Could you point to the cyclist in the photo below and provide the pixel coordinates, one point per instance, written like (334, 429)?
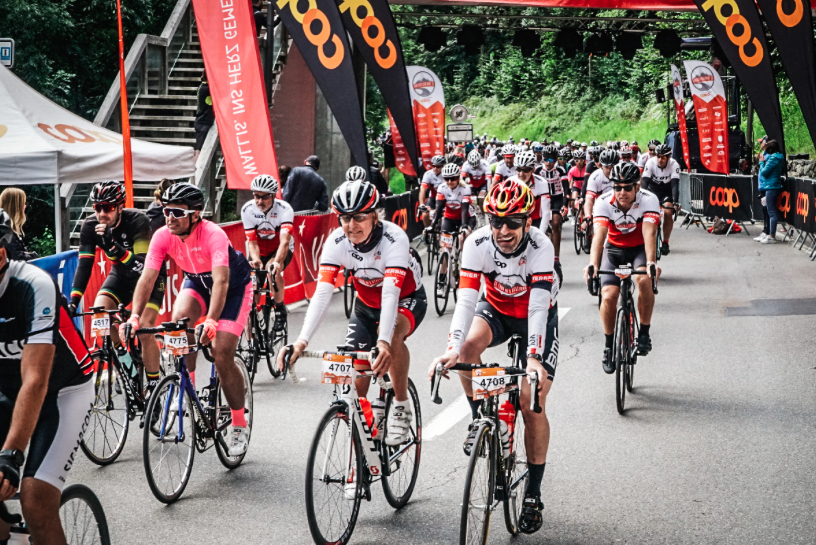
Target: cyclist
(629, 215)
(391, 300)
(453, 203)
(430, 181)
(661, 176)
(123, 234)
(651, 153)
(507, 168)
(598, 183)
(268, 225)
(635, 151)
(516, 260)
(553, 175)
(46, 392)
(593, 162)
(626, 155)
(541, 214)
(476, 173)
(216, 285)
(538, 150)
(576, 175)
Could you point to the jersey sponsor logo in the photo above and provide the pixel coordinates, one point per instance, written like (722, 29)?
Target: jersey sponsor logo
(369, 282)
(480, 240)
(339, 239)
(356, 256)
(72, 457)
(513, 290)
(11, 350)
(548, 277)
(500, 264)
(388, 236)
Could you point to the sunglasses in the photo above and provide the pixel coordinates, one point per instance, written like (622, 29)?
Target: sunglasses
(551, 160)
(512, 222)
(358, 218)
(525, 169)
(627, 188)
(262, 196)
(176, 213)
(107, 208)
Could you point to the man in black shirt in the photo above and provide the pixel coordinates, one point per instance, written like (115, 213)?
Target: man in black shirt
(205, 117)
(306, 190)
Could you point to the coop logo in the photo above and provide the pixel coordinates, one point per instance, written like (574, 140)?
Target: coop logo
(724, 196)
(400, 217)
(320, 39)
(702, 78)
(734, 19)
(368, 23)
(802, 204)
(783, 202)
(790, 20)
(423, 84)
(74, 135)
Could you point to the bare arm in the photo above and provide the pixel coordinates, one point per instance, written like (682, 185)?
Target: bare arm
(143, 288)
(598, 240)
(588, 204)
(650, 238)
(220, 286)
(283, 248)
(36, 369)
(254, 252)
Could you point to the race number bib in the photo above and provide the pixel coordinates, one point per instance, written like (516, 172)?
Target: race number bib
(489, 382)
(100, 325)
(446, 240)
(337, 369)
(623, 272)
(175, 343)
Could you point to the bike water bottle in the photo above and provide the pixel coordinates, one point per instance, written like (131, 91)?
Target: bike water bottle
(369, 416)
(378, 408)
(507, 421)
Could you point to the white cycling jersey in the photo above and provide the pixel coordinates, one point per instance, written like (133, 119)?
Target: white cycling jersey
(503, 171)
(454, 199)
(521, 285)
(641, 162)
(476, 177)
(382, 276)
(265, 227)
(431, 181)
(554, 177)
(661, 175)
(598, 184)
(625, 227)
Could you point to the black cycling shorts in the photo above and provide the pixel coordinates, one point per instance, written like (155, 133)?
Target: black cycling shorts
(450, 225)
(662, 191)
(614, 257)
(556, 203)
(121, 288)
(362, 329)
(288, 259)
(503, 327)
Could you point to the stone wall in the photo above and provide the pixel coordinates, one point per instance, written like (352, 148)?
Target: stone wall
(802, 168)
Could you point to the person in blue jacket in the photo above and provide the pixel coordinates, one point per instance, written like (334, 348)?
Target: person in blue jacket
(771, 169)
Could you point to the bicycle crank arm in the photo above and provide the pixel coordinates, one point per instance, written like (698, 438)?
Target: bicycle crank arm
(515, 484)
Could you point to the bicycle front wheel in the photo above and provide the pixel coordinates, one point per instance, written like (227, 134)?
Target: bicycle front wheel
(587, 238)
(83, 519)
(348, 294)
(620, 353)
(516, 474)
(442, 284)
(223, 414)
(577, 238)
(334, 479)
(279, 339)
(110, 419)
(480, 485)
(249, 347)
(169, 440)
(404, 459)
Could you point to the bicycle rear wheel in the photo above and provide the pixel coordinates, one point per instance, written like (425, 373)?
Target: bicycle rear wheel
(516, 475)
(332, 502)
(587, 239)
(82, 516)
(169, 440)
(404, 459)
(659, 240)
(442, 284)
(105, 438)
(480, 485)
(223, 414)
(578, 236)
(620, 350)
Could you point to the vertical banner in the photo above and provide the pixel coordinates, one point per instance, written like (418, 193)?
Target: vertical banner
(738, 30)
(402, 159)
(227, 33)
(791, 26)
(712, 115)
(680, 106)
(428, 102)
(320, 37)
(373, 31)
(123, 106)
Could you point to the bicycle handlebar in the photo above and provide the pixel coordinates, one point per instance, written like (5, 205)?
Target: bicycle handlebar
(8, 517)
(535, 405)
(594, 279)
(318, 354)
(179, 325)
(264, 272)
(97, 310)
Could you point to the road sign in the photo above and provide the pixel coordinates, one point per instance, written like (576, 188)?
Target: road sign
(7, 52)
(459, 113)
(460, 132)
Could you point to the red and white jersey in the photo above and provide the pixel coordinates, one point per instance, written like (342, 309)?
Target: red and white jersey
(431, 182)
(554, 178)
(503, 171)
(265, 227)
(598, 184)
(661, 175)
(476, 177)
(625, 227)
(454, 199)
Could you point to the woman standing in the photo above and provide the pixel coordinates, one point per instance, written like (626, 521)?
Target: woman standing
(771, 167)
(13, 201)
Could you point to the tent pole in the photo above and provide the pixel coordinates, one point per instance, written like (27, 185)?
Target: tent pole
(57, 219)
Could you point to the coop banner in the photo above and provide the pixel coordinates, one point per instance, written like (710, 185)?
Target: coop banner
(228, 43)
(710, 107)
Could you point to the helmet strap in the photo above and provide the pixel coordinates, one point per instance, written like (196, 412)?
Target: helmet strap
(190, 228)
(373, 239)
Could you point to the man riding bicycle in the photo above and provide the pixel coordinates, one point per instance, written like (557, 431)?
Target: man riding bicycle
(216, 285)
(598, 183)
(661, 176)
(46, 392)
(453, 203)
(507, 168)
(576, 175)
(124, 235)
(391, 301)
(430, 181)
(476, 173)
(268, 225)
(629, 215)
(553, 174)
(516, 260)
(651, 153)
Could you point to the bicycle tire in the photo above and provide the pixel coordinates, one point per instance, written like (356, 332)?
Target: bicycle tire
(483, 453)
(441, 302)
(150, 438)
(396, 499)
(247, 345)
(659, 241)
(621, 347)
(341, 535)
(348, 294)
(88, 443)
(222, 411)
(587, 239)
(79, 502)
(418, 258)
(630, 373)
(577, 238)
(515, 470)
(279, 340)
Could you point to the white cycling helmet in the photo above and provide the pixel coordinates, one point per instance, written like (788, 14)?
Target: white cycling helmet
(474, 158)
(525, 159)
(451, 170)
(509, 149)
(355, 173)
(264, 183)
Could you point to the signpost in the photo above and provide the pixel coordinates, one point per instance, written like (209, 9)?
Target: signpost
(7, 52)
(461, 132)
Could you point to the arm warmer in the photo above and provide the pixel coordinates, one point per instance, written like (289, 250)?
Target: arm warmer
(463, 318)
(316, 311)
(440, 208)
(538, 311)
(389, 304)
(675, 187)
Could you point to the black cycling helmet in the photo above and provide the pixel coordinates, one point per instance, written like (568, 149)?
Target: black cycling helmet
(355, 197)
(654, 143)
(625, 173)
(663, 150)
(565, 153)
(550, 152)
(578, 154)
(6, 231)
(110, 192)
(184, 193)
(593, 143)
(438, 161)
(609, 158)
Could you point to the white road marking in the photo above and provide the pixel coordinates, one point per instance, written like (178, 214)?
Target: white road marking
(459, 409)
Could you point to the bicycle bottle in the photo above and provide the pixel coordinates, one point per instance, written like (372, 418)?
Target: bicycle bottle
(365, 404)
(378, 408)
(507, 421)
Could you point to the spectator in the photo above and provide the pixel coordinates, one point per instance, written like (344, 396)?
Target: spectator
(306, 190)
(155, 209)
(771, 167)
(389, 161)
(13, 201)
(205, 117)
(375, 177)
(283, 177)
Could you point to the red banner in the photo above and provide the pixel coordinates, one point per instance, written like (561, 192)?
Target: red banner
(428, 101)
(226, 29)
(680, 107)
(712, 115)
(402, 159)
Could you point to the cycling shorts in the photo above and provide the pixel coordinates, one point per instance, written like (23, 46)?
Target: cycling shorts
(236, 306)
(556, 203)
(503, 327)
(662, 191)
(288, 259)
(64, 418)
(614, 257)
(450, 225)
(537, 223)
(120, 289)
(362, 329)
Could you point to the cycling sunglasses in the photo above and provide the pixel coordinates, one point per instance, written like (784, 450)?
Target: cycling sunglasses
(512, 222)
(550, 160)
(358, 218)
(176, 213)
(525, 169)
(107, 208)
(627, 188)
(263, 196)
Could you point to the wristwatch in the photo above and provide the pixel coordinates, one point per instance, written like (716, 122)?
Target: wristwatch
(539, 357)
(14, 454)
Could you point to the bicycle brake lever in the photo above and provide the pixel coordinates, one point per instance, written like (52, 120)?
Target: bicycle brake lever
(535, 406)
(287, 355)
(435, 383)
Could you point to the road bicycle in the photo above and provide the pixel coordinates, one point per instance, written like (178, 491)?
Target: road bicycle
(496, 473)
(430, 237)
(445, 281)
(120, 394)
(624, 349)
(81, 513)
(348, 453)
(582, 229)
(179, 422)
(260, 340)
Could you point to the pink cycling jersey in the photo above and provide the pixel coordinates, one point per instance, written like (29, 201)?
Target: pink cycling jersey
(206, 248)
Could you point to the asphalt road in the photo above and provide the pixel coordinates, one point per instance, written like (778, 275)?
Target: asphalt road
(717, 444)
